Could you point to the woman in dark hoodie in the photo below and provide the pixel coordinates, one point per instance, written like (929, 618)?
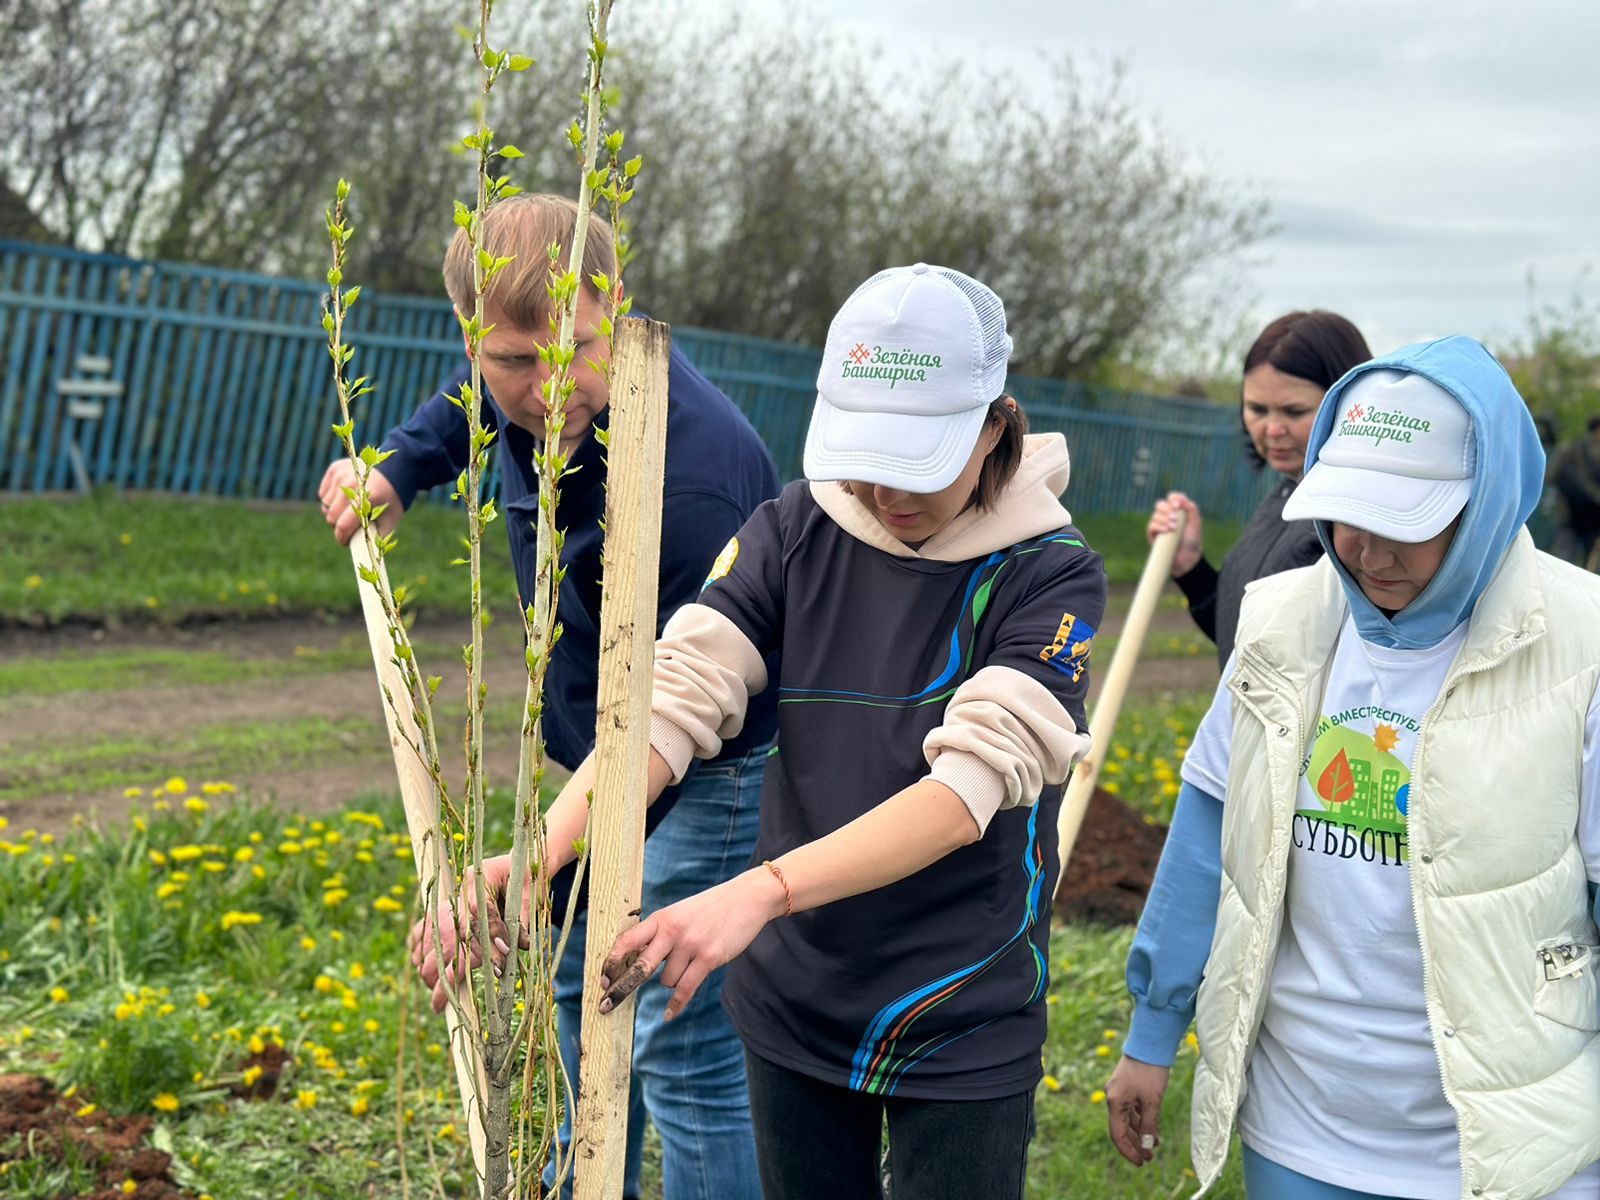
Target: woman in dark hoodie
(1292, 363)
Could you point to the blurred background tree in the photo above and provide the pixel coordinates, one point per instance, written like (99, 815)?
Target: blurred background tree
(1556, 362)
(784, 166)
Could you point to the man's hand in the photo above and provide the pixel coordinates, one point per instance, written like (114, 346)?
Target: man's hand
(692, 938)
(1164, 519)
(1133, 1104)
(458, 938)
(341, 514)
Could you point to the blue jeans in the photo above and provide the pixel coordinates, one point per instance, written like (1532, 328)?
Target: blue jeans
(688, 1073)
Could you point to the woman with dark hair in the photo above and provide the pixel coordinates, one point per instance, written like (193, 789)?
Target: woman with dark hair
(1293, 362)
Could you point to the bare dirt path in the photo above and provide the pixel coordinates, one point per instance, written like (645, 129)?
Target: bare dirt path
(354, 764)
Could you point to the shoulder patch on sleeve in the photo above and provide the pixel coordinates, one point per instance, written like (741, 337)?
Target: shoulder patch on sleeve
(1069, 651)
(723, 564)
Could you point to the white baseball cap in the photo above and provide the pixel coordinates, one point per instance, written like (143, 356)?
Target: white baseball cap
(1399, 462)
(913, 361)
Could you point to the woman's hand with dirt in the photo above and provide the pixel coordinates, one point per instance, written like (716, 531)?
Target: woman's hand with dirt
(692, 938)
(1164, 519)
(341, 514)
(457, 944)
(1133, 1105)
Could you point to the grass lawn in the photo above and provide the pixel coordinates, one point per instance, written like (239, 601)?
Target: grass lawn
(117, 977)
(112, 559)
(122, 976)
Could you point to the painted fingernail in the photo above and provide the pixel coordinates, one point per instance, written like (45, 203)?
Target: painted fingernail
(500, 945)
(1147, 1142)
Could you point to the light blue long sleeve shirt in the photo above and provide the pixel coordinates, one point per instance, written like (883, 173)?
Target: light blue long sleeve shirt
(1168, 957)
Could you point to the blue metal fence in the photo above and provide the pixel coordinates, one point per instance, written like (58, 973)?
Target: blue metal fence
(216, 382)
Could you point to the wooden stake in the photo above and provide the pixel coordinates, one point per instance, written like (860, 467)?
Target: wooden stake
(1103, 722)
(437, 881)
(636, 456)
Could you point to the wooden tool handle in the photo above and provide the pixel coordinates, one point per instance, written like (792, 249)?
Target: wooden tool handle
(1157, 569)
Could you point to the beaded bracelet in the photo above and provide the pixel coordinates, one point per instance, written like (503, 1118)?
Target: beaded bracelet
(788, 896)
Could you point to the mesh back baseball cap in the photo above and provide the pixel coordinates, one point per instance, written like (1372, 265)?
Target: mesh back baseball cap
(912, 363)
(1399, 462)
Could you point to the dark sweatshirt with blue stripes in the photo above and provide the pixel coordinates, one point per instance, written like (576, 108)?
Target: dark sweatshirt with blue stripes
(965, 660)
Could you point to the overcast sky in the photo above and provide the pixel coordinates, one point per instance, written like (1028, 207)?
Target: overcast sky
(1421, 156)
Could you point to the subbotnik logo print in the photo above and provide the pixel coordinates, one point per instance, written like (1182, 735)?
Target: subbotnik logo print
(1381, 425)
(892, 366)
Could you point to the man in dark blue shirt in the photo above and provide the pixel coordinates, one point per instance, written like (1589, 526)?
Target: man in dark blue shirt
(717, 472)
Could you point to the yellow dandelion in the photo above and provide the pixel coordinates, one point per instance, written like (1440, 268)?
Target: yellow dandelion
(359, 1106)
(258, 871)
(176, 785)
(447, 1130)
(167, 890)
(364, 856)
(213, 867)
(158, 858)
(308, 943)
(334, 896)
(203, 1000)
(196, 805)
(132, 793)
(244, 854)
(1103, 1050)
(370, 1025)
(256, 837)
(290, 848)
(251, 1074)
(217, 788)
(385, 904)
(305, 1098)
(160, 806)
(166, 1102)
(233, 919)
(357, 971)
(1097, 1097)
(33, 581)
(1110, 1035)
(1052, 1084)
(59, 995)
(322, 983)
(257, 1044)
(129, 1187)
(86, 1110)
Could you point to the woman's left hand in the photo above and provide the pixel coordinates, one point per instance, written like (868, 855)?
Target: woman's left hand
(692, 938)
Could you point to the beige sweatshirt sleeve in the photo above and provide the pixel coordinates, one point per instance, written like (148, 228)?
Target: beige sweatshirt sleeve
(706, 670)
(1004, 738)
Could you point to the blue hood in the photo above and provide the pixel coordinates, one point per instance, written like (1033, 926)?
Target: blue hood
(1505, 488)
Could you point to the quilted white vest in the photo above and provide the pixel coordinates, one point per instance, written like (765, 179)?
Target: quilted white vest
(1511, 967)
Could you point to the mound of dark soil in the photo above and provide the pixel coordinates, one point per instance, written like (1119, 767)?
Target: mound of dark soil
(1112, 865)
(35, 1122)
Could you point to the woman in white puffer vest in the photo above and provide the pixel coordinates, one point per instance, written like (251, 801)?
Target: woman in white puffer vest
(1389, 832)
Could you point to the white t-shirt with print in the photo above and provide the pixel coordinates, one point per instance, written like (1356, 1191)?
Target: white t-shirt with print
(1344, 1085)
